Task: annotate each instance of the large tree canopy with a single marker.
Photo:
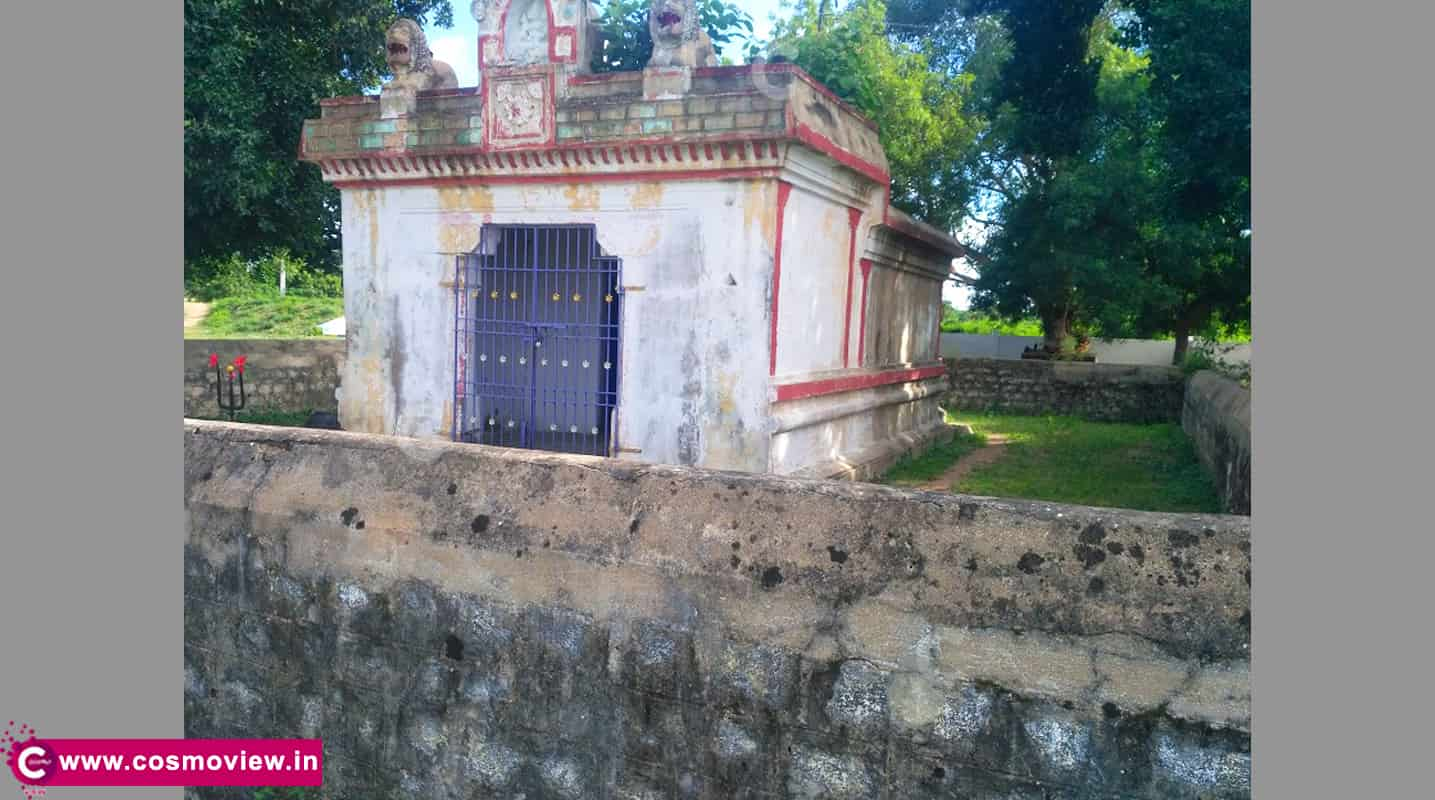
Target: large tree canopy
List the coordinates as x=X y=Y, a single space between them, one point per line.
x=254 y=70
x=920 y=111
x=1198 y=258
x=1112 y=168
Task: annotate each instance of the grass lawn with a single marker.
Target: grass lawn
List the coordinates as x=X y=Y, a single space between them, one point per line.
x=288 y=419
x=1070 y=460
x=929 y=465
x=266 y=317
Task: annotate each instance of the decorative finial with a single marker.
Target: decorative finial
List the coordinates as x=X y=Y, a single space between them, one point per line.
x=678 y=36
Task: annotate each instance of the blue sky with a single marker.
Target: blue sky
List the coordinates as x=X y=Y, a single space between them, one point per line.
x=458 y=46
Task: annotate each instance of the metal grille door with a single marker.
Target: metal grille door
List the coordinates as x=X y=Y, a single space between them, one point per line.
x=536 y=340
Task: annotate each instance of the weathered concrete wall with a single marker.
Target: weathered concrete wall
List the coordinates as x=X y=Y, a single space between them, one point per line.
x=904 y=301
x=817 y=263
x=857 y=435
x=461 y=621
x=1216 y=414
x=862 y=341
x=1103 y=392
x=280 y=375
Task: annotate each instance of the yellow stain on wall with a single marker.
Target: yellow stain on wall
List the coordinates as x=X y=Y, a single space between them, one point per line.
x=726 y=403
x=759 y=208
x=373 y=398
x=646 y=195
x=457 y=237
x=465 y=198
x=581 y=197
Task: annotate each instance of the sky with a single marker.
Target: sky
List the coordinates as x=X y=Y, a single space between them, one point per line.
x=458 y=46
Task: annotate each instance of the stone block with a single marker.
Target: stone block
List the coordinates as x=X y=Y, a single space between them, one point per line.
x=717 y=122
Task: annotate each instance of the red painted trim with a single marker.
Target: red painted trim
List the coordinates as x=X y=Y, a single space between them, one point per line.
x=607 y=177
x=826 y=146
x=553 y=33
x=862 y=325
x=553 y=30
x=550 y=105
x=784 y=189
x=850 y=383
x=854 y=215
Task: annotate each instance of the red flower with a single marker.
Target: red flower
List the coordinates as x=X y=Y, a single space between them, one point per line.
x=239 y=363
x=213 y=360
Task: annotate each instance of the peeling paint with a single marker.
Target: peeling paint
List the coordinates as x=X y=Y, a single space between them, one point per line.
x=457 y=237
x=475 y=198
x=582 y=196
x=646 y=195
x=759 y=211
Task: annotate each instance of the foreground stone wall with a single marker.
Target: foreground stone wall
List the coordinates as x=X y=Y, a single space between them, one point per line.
x=1216 y=415
x=282 y=374
x=459 y=621
x=1102 y=392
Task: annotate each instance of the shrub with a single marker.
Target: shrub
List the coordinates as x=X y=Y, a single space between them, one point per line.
x=955 y=321
x=1211 y=356
x=211 y=278
x=234 y=276
x=271 y=315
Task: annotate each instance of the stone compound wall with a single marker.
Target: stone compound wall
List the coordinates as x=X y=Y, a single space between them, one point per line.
x=1102 y=392
x=462 y=621
x=1216 y=415
x=281 y=374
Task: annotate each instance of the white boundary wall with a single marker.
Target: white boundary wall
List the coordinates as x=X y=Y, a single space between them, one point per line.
x=1107 y=351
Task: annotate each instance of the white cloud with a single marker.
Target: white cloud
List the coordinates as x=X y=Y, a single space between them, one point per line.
x=459 y=52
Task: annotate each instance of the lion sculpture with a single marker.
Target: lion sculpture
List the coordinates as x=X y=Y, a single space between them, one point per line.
x=678 y=36
x=411 y=61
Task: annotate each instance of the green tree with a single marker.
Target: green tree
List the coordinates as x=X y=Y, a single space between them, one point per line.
x=254 y=70
x=1112 y=166
x=1036 y=179
x=920 y=112
x=628 y=44
x=1198 y=259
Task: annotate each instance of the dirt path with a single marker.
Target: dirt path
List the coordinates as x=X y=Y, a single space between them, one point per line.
x=194 y=313
x=995 y=449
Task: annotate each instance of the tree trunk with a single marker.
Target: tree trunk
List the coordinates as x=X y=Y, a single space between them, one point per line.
x=1182 y=329
x=1183 y=342
x=1055 y=328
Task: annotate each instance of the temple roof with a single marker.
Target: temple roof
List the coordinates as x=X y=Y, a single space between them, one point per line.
x=542 y=124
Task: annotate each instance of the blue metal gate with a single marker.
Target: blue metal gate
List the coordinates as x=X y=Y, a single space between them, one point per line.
x=536 y=340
